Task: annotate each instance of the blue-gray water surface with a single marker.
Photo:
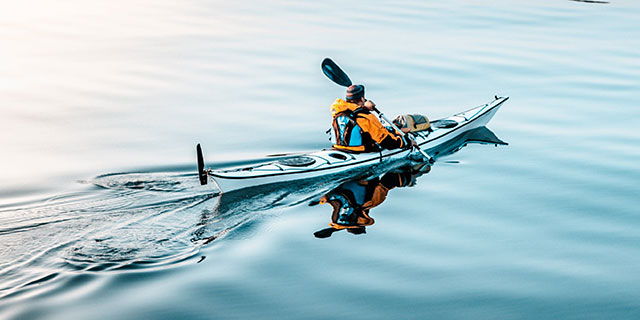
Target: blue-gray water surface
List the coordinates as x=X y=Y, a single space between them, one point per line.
x=102 y=104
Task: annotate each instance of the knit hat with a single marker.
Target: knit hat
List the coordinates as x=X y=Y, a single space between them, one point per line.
x=355 y=92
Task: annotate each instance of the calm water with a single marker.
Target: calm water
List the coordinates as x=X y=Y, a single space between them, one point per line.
x=101 y=215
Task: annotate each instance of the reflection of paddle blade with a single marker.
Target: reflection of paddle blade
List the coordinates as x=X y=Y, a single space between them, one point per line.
x=333 y=72
x=325 y=233
x=201 y=173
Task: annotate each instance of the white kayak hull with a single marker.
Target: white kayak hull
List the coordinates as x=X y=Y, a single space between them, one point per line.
x=331 y=161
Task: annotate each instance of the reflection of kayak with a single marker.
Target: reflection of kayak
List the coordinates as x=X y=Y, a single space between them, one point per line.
x=330 y=161
x=481 y=135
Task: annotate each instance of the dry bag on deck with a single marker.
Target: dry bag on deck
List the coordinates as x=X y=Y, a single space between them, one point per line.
x=413 y=122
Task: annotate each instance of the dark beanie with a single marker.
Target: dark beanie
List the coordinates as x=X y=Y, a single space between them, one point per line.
x=355 y=92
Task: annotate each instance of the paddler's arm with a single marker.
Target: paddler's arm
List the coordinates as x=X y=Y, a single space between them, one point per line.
x=384 y=137
x=380 y=134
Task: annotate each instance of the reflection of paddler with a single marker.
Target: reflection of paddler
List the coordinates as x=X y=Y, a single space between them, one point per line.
x=352 y=201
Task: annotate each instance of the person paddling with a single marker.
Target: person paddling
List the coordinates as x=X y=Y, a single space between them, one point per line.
x=356 y=129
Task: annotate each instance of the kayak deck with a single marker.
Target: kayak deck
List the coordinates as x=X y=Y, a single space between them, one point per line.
x=330 y=161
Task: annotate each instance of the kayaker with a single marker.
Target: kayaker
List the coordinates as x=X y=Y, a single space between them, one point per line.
x=356 y=129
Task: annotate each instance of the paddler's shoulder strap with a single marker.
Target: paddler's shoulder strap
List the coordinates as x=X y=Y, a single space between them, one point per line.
x=361 y=110
x=353 y=113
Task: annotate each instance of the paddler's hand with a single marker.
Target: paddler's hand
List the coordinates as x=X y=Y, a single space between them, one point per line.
x=410 y=142
x=369 y=105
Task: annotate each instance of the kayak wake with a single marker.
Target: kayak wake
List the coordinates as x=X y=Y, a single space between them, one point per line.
x=117 y=223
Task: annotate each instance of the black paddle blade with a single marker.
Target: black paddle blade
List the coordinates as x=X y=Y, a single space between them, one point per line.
x=201 y=174
x=333 y=72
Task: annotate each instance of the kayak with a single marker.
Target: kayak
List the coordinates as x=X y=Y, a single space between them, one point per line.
x=332 y=161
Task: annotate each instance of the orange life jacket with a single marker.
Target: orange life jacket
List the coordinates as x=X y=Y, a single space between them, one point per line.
x=358 y=130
